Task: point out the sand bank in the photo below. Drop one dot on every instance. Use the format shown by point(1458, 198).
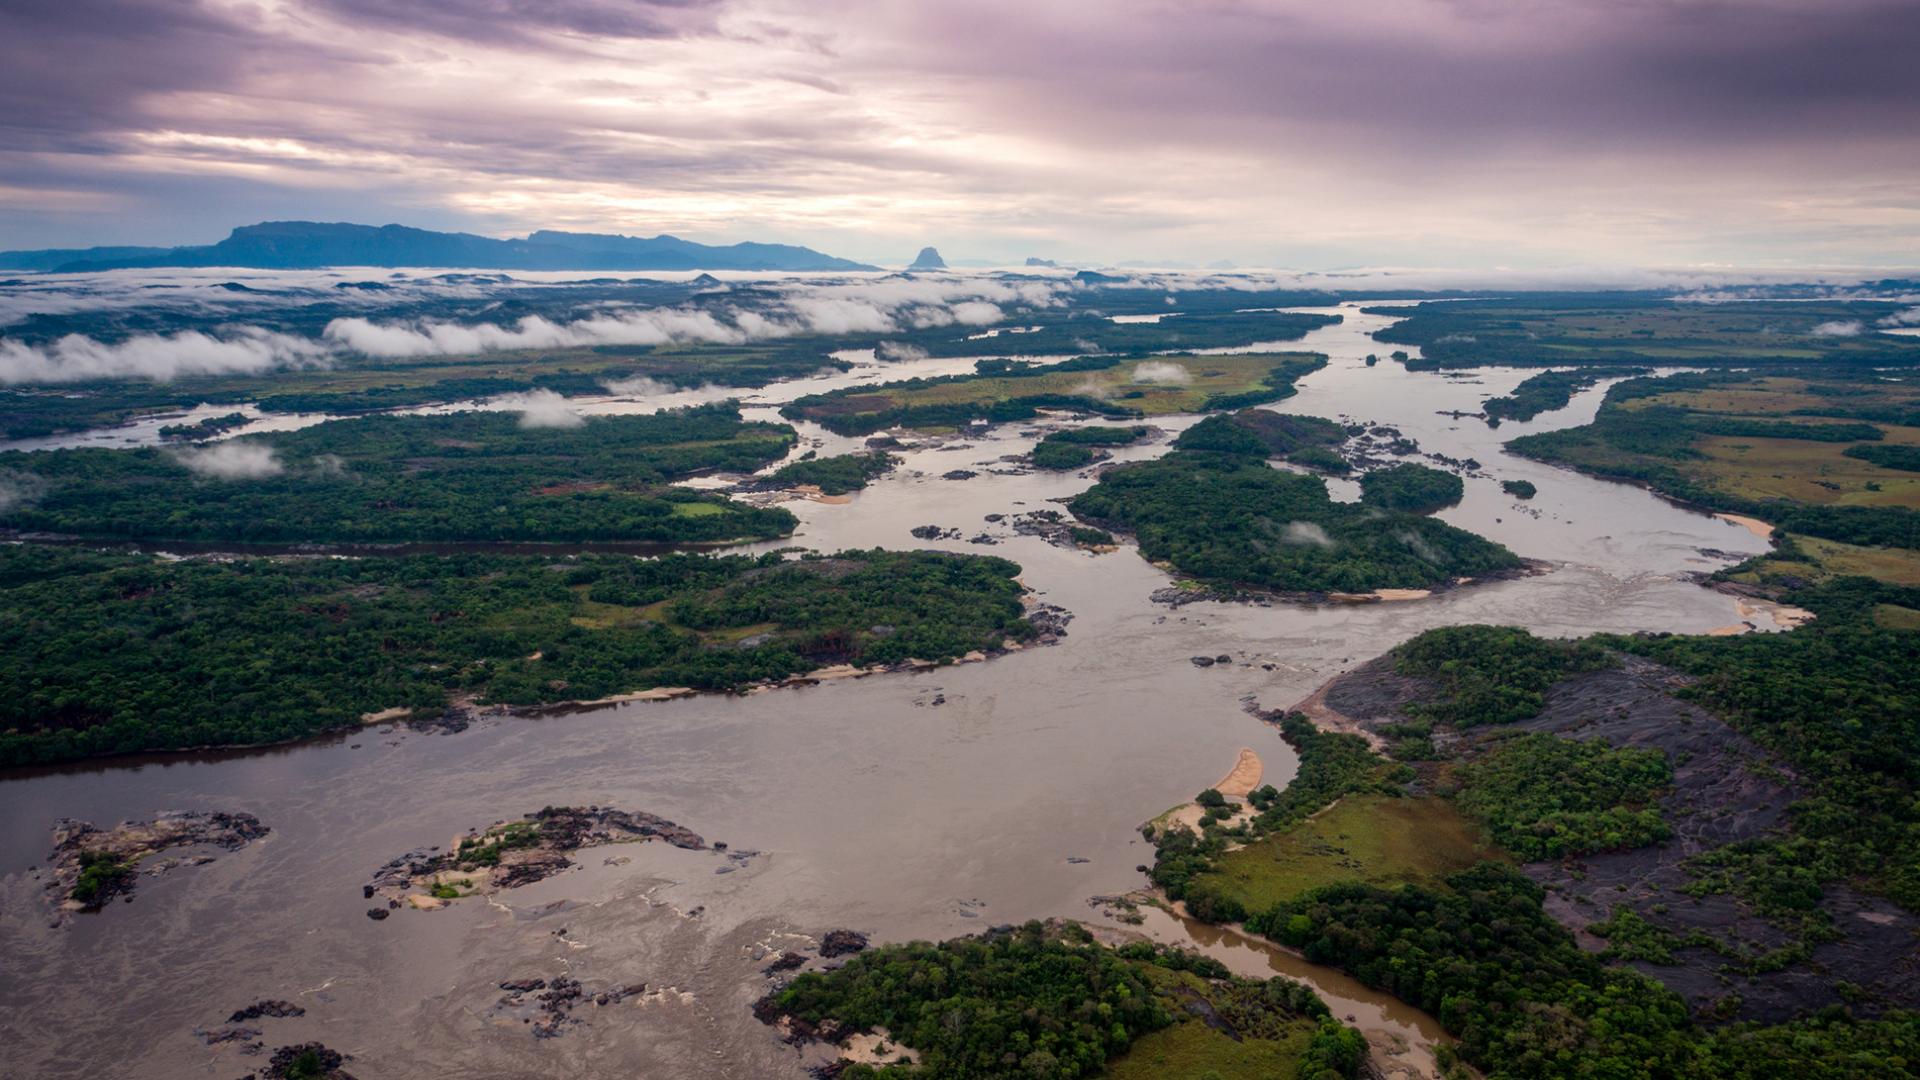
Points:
point(1752, 524)
point(1243, 777)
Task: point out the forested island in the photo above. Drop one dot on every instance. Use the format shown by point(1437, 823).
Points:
point(1548, 391)
point(1074, 447)
point(472, 476)
point(113, 653)
point(1109, 386)
point(835, 475)
point(1229, 519)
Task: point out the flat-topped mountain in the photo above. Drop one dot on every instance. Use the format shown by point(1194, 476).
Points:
point(306, 245)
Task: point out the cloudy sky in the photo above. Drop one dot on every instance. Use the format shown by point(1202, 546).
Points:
point(1297, 133)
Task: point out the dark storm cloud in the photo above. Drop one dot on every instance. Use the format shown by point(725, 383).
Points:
point(71, 70)
point(526, 21)
point(1553, 74)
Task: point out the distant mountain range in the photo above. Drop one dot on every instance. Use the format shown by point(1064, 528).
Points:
point(310, 245)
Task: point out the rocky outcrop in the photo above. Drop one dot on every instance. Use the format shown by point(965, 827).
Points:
point(92, 866)
point(510, 854)
point(267, 1007)
point(549, 1006)
point(1726, 790)
point(842, 943)
point(306, 1061)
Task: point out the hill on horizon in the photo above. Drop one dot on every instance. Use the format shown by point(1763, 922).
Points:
point(312, 245)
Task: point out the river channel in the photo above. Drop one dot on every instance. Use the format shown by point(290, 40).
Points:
point(869, 805)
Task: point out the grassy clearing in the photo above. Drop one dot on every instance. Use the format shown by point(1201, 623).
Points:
point(1798, 469)
point(1899, 566)
point(1895, 617)
point(1193, 1051)
point(1376, 839)
point(1803, 471)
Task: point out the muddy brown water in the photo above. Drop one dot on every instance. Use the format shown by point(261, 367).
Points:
point(870, 806)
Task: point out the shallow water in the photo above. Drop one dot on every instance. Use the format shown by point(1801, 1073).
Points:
point(872, 807)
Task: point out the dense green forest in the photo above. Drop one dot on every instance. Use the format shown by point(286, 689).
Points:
point(1548, 391)
point(478, 476)
point(836, 475)
point(1904, 458)
point(108, 653)
point(1491, 674)
point(1265, 433)
point(1839, 699)
point(1231, 519)
point(1049, 1003)
point(1414, 488)
point(1484, 957)
point(1555, 330)
point(1545, 797)
point(204, 429)
point(1073, 447)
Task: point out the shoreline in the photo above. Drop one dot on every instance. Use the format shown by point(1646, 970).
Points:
point(400, 715)
point(1186, 591)
point(356, 549)
point(1400, 1047)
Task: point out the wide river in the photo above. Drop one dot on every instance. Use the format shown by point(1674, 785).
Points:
point(871, 807)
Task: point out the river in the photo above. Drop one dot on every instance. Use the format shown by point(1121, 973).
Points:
point(871, 806)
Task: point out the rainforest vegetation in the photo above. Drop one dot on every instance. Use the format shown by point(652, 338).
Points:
point(1303, 440)
point(473, 476)
point(1476, 946)
point(1545, 797)
point(836, 475)
point(1548, 391)
point(1048, 1002)
point(110, 653)
point(1230, 519)
point(1410, 487)
point(1071, 448)
point(204, 429)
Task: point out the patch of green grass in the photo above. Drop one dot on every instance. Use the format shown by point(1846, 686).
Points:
point(1194, 1051)
point(1895, 617)
point(1376, 839)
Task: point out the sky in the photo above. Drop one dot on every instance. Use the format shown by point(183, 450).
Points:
point(1283, 133)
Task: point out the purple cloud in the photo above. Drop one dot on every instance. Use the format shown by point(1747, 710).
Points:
point(1410, 131)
